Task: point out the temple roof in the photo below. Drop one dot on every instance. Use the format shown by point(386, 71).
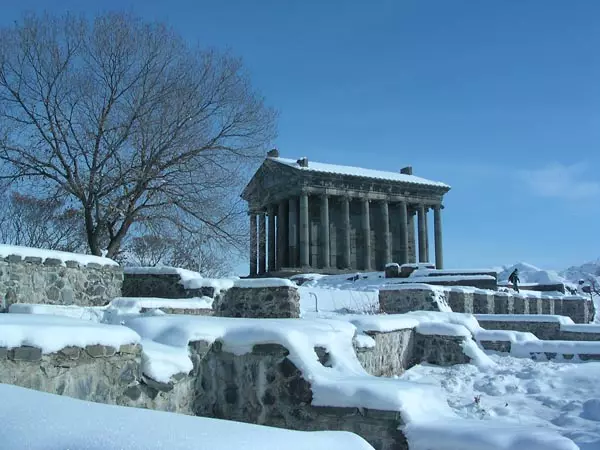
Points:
point(357, 172)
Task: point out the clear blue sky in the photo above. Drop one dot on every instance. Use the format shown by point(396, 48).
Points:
point(500, 99)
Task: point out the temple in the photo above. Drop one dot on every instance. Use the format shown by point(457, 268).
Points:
point(309, 216)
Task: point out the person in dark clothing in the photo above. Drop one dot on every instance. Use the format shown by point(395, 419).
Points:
point(514, 279)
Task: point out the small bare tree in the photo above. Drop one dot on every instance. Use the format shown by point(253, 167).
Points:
point(44, 223)
point(129, 125)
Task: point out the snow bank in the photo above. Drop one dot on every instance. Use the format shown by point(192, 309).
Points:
point(337, 300)
point(263, 283)
point(442, 329)
point(477, 435)
point(524, 349)
point(562, 320)
point(91, 313)
point(84, 260)
point(135, 304)
point(38, 421)
point(53, 333)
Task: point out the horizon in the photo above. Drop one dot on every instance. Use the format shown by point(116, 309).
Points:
point(500, 101)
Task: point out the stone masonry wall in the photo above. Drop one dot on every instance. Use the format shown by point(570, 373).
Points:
point(260, 302)
point(399, 301)
point(164, 285)
point(31, 280)
point(96, 373)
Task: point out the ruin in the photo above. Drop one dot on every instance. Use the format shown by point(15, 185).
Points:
point(331, 219)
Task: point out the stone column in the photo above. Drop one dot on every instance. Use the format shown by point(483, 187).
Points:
point(293, 232)
point(262, 244)
point(403, 234)
point(422, 234)
point(304, 236)
point(426, 221)
point(346, 236)
point(366, 228)
point(437, 236)
point(412, 251)
point(253, 245)
point(282, 241)
point(324, 244)
point(385, 226)
point(272, 235)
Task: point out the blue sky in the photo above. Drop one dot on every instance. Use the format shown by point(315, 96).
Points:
point(500, 99)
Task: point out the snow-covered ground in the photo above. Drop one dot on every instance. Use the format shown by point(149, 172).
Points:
point(564, 397)
point(34, 420)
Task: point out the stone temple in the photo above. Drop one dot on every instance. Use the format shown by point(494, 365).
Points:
point(309, 216)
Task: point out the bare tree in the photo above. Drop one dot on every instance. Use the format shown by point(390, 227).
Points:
point(44, 223)
point(129, 124)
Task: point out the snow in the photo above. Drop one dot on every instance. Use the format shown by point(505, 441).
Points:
point(218, 284)
point(581, 328)
point(135, 304)
point(160, 362)
point(39, 421)
point(84, 260)
point(53, 333)
point(91, 313)
point(358, 172)
point(364, 341)
point(442, 329)
point(381, 323)
point(264, 283)
point(442, 278)
point(563, 320)
point(529, 273)
point(424, 271)
point(524, 349)
point(546, 397)
point(337, 300)
point(504, 336)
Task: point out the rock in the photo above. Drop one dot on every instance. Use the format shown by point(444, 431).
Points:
point(132, 349)
point(52, 262)
point(100, 351)
point(70, 352)
point(157, 385)
point(3, 353)
point(25, 353)
point(14, 258)
point(133, 392)
point(33, 260)
point(72, 264)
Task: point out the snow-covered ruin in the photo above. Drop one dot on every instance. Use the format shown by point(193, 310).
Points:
point(314, 353)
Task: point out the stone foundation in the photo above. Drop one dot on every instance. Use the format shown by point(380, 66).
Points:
point(164, 285)
point(406, 299)
point(260, 302)
point(52, 282)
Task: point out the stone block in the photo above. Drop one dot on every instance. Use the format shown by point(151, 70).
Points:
point(392, 270)
point(456, 301)
point(130, 349)
point(439, 350)
point(95, 266)
point(157, 385)
point(53, 262)
point(100, 351)
point(547, 306)
point(25, 353)
point(14, 258)
point(521, 304)
point(270, 349)
point(535, 305)
point(496, 346)
point(483, 303)
point(503, 303)
point(72, 264)
point(261, 302)
point(404, 299)
point(3, 353)
point(70, 352)
point(576, 309)
point(557, 301)
point(33, 260)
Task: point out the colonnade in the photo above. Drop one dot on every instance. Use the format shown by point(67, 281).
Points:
point(286, 228)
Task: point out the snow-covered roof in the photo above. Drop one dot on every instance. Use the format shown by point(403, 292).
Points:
point(358, 172)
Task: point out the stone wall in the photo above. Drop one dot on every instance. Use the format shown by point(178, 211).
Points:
point(95, 373)
point(406, 299)
point(163, 285)
point(50, 281)
point(260, 302)
point(579, 309)
point(397, 351)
